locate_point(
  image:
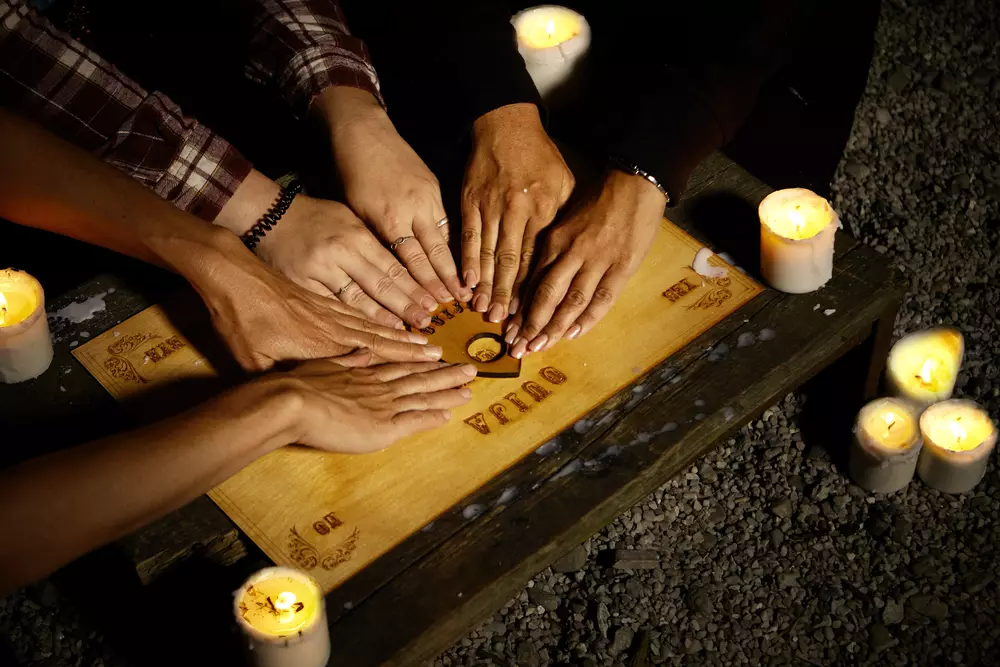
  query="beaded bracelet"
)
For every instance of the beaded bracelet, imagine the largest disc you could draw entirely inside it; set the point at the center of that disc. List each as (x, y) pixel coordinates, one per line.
(270, 219)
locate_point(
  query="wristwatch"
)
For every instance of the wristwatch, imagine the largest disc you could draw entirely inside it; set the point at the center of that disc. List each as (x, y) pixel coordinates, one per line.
(636, 170)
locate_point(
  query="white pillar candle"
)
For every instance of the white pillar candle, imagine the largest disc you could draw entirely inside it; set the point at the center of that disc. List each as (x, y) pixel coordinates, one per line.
(25, 344)
(552, 40)
(282, 612)
(958, 439)
(796, 240)
(886, 444)
(923, 366)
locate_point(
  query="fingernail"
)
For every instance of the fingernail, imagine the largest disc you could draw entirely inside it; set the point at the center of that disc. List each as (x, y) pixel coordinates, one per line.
(418, 338)
(539, 343)
(469, 370)
(481, 303)
(399, 325)
(465, 294)
(511, 333)
(444, 296)
(574, 331)
(433, 352)
(428, 303)
(470, 279)
(423, 320)
(519, 348)
(465, 392)
(515, 303)
(496, 313)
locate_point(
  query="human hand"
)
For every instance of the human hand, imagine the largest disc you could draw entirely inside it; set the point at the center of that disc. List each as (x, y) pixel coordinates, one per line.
(361, 410)
(322, 246)
(389, 187)
(515, 182)
(265, 318)
(587, 260)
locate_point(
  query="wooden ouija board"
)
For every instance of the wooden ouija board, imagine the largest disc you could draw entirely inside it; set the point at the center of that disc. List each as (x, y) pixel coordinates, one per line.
(333, 514)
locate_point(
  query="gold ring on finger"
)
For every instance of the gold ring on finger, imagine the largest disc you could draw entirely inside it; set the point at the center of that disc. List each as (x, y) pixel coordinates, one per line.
(398, 242)
(341, 290)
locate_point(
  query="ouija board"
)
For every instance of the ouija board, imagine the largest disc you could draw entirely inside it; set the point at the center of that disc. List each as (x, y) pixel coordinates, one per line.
(334, 514)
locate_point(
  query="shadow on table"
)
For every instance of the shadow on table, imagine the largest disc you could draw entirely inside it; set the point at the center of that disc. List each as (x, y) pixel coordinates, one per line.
(726, 223)
(184, 618)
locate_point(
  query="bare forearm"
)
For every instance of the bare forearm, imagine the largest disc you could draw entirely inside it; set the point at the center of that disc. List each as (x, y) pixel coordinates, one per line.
(49, 184)
(68, 503)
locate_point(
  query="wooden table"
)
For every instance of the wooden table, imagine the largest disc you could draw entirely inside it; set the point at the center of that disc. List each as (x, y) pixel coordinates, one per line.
(419, 598)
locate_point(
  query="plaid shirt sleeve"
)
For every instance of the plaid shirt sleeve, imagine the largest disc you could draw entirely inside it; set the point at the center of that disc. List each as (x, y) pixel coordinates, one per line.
(302, 47)
(51, 78)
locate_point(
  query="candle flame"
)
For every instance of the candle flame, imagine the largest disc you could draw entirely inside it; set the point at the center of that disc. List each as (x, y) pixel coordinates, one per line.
(890, 420)
(797, 219)
(3, 309)
(550, 28)
(285, 601)
(957, 430)
(926, 371)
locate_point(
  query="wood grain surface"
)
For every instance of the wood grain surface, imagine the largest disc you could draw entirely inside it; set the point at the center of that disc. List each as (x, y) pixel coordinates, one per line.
(333, 514)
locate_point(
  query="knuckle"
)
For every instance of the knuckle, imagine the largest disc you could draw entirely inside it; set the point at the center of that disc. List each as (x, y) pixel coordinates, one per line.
(507, 259)
(526, 255)
(470, 236)
(487, 254)
(439, 251)
(516, 199)
(545, 292)
(353, 297)
(604, 296)
(575, 298)
(501, 293)
(417, 260)
(396, 271)
(383, 285)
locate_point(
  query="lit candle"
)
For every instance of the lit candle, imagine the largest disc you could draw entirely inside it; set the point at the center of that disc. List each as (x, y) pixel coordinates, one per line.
(886, 444)
(958, 439)
(796, 240)
(282, 613)
(25, 344)
(923, 366)
(552, 40)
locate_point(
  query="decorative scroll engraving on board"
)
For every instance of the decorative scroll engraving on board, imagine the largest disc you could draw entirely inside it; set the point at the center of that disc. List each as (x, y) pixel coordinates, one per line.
(719, 293)
(307, 557)
(118, 364)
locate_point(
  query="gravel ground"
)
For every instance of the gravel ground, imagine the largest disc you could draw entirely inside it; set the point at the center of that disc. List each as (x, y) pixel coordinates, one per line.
(765, 553)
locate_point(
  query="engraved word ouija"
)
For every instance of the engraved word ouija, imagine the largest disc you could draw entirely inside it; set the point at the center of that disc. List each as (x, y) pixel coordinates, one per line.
(502, 412)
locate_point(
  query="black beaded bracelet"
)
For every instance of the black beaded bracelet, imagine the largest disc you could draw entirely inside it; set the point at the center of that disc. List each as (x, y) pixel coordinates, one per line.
(270, 219)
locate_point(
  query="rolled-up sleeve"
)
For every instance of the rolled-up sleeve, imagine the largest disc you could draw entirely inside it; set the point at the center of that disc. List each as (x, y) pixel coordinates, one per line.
(51, 78)
(302, 47)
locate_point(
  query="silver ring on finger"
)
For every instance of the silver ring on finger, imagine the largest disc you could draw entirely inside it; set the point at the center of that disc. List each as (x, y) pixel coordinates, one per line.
(398, 242)
(442, 222)
(341, 290)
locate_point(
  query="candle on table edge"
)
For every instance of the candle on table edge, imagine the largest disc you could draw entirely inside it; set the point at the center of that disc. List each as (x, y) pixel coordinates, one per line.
(958, 439)
(886, 443)
(922, 367)
(552, 40)
(797, 231)
(282, 612)
(25, 343)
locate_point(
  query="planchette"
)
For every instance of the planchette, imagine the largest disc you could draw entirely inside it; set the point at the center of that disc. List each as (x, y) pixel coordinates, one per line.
(467, 337)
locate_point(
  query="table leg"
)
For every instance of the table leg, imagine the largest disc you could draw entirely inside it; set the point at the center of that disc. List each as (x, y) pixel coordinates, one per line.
(838, 392)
